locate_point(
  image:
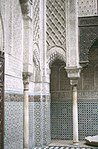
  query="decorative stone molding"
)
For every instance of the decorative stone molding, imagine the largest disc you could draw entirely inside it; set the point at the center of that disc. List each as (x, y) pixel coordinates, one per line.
(83, 95)
(13, 97)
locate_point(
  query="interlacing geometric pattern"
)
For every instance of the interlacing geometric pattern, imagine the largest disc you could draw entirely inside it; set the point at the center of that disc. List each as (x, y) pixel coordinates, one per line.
(61, 118)
(36, 21)
(56, 18)
(55, 23)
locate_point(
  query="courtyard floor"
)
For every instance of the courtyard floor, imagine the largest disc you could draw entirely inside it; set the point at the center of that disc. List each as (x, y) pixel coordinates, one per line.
(67, 144)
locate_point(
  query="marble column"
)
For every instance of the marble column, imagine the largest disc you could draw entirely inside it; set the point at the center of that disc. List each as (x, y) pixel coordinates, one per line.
(26, 7)
(26, 111)
(74, 74)
(75, 110)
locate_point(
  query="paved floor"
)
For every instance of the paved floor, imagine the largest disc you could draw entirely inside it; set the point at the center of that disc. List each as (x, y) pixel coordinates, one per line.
(66, 144)
(63, 147)
(56, 147)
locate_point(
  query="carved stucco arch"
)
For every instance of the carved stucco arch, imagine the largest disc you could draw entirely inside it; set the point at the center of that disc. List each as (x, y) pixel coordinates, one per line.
(55, 53)
(1, 34)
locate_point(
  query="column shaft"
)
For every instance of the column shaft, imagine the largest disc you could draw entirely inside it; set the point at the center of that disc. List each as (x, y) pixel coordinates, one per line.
(75, 115)
(26, 118)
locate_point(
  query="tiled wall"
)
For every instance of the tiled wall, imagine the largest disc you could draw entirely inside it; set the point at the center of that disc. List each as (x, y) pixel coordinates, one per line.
(13, 125)
(39, 124)
(88, 118)
(61, 119)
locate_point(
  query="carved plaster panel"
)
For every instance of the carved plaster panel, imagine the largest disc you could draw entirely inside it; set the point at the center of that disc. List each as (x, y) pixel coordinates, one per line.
(36, 21)
(87, 8)
(55, 23)
(88, 33)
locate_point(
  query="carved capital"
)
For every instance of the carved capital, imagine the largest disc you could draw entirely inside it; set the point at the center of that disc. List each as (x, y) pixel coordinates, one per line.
(26, 77)
(73, 72)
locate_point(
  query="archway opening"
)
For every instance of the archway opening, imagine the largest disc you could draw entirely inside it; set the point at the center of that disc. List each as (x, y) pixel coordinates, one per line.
(61, 103)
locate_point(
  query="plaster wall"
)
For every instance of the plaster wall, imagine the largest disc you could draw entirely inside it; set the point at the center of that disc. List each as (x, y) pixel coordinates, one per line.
(12, 24)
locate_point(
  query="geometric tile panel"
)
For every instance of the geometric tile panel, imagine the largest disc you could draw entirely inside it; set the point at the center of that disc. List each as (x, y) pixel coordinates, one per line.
(61, 119)
(88, 119)
(39, 124)
(46, 123)
(13, 125)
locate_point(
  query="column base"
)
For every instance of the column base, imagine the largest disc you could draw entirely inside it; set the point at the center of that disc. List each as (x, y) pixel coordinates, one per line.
(76, 143)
